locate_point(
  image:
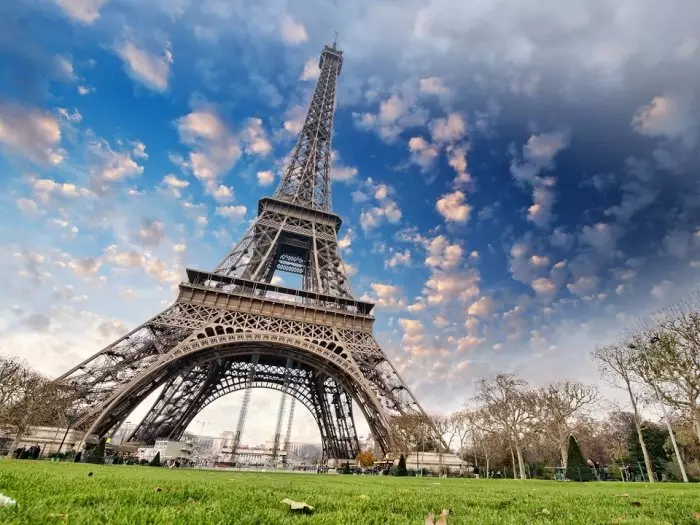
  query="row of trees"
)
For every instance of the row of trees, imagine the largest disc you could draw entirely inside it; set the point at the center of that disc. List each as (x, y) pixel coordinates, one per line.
(657, 364)
(29, 399)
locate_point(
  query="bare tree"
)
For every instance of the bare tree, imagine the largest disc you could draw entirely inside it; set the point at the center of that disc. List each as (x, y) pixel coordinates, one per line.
(412, 432)
(561, 404)
(461, 425)
(508, 403)
(615, 363)
(30, 400)
(667, 357)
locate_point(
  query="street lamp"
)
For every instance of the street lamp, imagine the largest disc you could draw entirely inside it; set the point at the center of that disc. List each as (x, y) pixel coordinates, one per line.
(654, 340)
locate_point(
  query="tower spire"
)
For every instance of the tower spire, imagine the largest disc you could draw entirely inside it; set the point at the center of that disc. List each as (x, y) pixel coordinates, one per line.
(306, 180)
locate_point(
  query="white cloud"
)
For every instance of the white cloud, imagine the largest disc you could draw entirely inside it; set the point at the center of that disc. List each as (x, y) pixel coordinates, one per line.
(583, 286)
(540, 213)
(667, 116)
(663, 290)
(215, 148)
(433, 86)
(265, 178)
(294, 120)
(32, 133)
(253, 135)
(443, 286)
(112, 166)
(453, 207)
(385, 295)
(602, 237)
(292, 32)
(84, 11)
(343, 173)
(422, 152)
(482, 307)
(541, 149)
(174, 185)
(150, 70)
(451, 129)
(543, 286)
(311, 70)
(152, 232)
(179, 248)
(28, 206)
(231, 212)
(399, 259)
(442, 254)
(223, 193)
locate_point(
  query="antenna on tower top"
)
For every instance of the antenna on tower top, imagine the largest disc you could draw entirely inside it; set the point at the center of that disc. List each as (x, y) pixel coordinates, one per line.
(335, 39)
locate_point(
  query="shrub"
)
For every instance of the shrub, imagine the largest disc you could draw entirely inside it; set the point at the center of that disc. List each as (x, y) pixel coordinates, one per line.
(576, 467)
(401, 468)
(155, 462)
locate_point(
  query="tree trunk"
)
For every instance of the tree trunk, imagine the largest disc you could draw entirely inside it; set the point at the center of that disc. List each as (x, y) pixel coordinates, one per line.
(16, 442)
(521, 463)
(642, 444)
(487, 467)
(696, 422)
(563, 449)
(512, 457)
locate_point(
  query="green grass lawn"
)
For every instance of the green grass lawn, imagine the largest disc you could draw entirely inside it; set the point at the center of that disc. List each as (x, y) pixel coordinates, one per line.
(64, 493)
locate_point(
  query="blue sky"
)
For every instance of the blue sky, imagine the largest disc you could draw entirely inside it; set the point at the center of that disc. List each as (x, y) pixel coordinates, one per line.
(519, 181)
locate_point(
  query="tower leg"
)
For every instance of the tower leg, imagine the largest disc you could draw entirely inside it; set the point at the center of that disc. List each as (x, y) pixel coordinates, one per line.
(244, 409)
(288, 435)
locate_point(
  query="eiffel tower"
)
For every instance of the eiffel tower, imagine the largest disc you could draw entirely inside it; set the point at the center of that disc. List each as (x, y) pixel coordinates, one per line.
(233, 329)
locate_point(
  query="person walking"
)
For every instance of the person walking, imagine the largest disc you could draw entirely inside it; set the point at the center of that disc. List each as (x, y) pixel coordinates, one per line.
(476, 472)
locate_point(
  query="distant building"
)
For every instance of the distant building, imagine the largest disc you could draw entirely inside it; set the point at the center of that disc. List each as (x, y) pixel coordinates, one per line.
(168, 450)
(48, 438)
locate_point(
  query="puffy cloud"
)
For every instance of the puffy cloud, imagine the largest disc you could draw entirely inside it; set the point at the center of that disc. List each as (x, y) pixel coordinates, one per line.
(385, 295)
(399, 259)
(32, 133)
(265, 178)
(311, 70)
(482, 307)
(151, 232)
(442, 286)
(150, 70)
(602, 237)
(543, 286)
(231, 212)
(179, 248)
(584, 285)
(28, 206)
(540, 213)
(668, 116)
(45, 188)
(294, 120)
(453, 207)
(343, 173)
(385, 210)
(422, 152)
(395, 115)
(215, 148)
(292, 32)
(254, 137)
(84, 11)
(112, 166)
(413, 331)
(663, 290)
(442, 254)
(451, 129)
(541, 149)
(174, 185)
(433, 86)
(222, 193)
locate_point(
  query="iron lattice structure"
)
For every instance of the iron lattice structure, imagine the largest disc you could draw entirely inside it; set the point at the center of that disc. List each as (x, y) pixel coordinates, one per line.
(232, 329)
